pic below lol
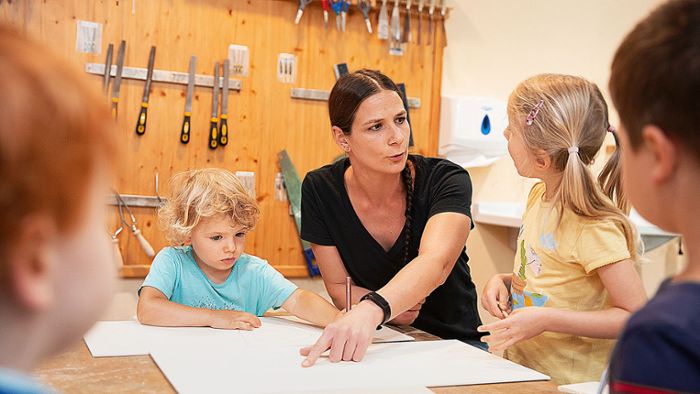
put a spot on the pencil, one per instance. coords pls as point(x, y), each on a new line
point(348, 294)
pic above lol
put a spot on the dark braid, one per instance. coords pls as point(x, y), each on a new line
point(408, 184)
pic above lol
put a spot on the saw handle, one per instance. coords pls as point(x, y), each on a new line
point(143, 117)
point(117, 254)
point(186, 127)
point(143, 242)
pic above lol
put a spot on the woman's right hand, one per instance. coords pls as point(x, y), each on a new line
point(347, 337)
point(233, 320)
point(496, 297)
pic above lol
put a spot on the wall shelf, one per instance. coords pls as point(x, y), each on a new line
point(508, 214)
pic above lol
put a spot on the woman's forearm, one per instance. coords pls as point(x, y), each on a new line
point(413, 283)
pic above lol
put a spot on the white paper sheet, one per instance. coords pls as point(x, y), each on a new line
point(130, 338)
point(193, 369)
point(582, 388)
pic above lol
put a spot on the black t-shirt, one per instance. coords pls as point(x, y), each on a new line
point(328, 218)
point(659, 350)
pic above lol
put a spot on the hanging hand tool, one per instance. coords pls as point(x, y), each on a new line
point(293, 186)
point(404, 98)
point(345, 5)
point(223, 124)
point(383, 24)
point(406, 37)
point(336, 5)
point(300, 11)
point(143, 114)
point(325, 6)
point(134, 230)
point(395, 25)
point(365, 7)
point(431, 10)
point(108, 69)
point(443, 11)
point(421, 4)
point(118, 259)
point(213, 132)
point(186, 122)
point(118, 78)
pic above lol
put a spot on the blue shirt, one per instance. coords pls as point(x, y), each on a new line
point(253, 285)
point(659, 350)
point(15, 382)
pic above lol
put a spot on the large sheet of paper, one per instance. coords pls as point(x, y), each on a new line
point(278, 369)
point(130, 338)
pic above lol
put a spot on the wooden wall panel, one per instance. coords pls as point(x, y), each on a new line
point(263, 118)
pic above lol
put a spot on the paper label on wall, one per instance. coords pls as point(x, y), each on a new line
point(248, 180)
point(280, 189)
point(286, 68)
point(239, 60)
point(88, 38)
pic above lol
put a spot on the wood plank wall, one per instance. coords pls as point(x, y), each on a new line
point(263, 118)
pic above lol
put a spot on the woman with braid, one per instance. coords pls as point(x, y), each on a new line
point(395, 223)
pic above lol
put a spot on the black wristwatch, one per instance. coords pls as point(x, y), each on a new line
point(381, 302)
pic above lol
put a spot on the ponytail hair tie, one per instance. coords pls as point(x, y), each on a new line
point(573, 149)
point(612, 129)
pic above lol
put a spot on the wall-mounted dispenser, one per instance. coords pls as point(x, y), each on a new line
point(471, 130)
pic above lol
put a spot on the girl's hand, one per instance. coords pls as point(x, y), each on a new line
point(407, 318)
point(347, 337)
point(234, 320)
point(496, 298)
point(522, 324)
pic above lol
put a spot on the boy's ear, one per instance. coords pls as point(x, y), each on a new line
point(663, 152)
point(340, 138)
point(30, 265)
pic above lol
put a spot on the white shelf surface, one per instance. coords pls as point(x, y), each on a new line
point(509, 214)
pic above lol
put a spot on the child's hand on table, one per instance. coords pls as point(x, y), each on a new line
point(234, 320)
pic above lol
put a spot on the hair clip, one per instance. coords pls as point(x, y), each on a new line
point(611, 129)
point(535, 110)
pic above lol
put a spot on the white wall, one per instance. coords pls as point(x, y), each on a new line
point(492, 45)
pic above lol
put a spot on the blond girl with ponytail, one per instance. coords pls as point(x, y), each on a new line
point(574, 283)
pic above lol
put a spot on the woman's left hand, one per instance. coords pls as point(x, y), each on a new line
point(522, 324)
point(348, 337)
point(407, 318)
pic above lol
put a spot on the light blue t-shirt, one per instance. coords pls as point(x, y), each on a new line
point(253, 285)
point(16, 382)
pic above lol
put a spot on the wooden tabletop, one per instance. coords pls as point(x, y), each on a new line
point(76, 371)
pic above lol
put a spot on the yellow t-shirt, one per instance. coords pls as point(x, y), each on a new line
point(555, 267)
